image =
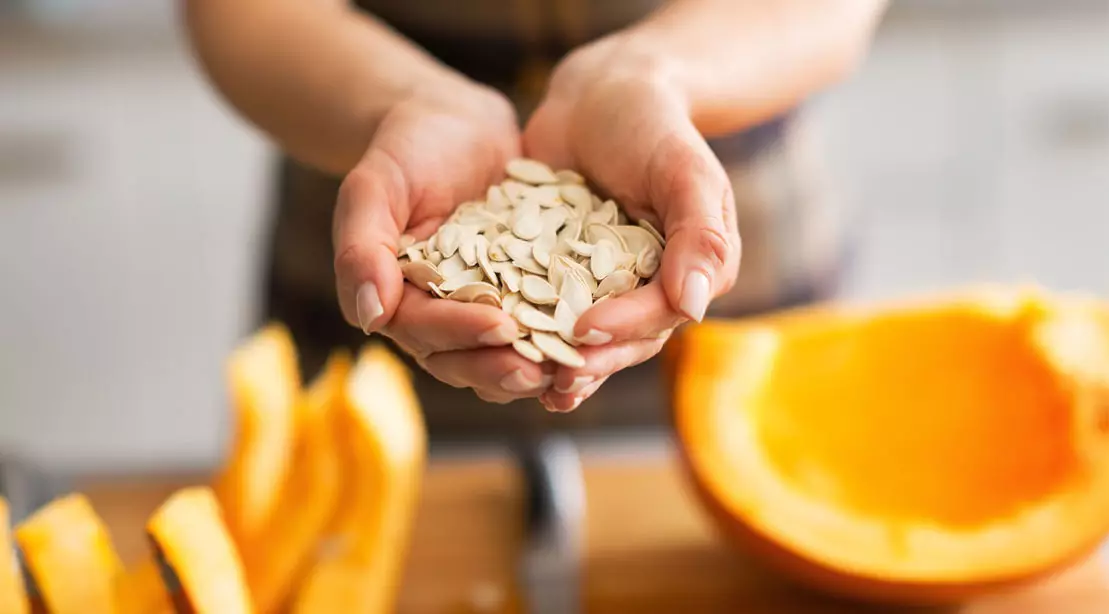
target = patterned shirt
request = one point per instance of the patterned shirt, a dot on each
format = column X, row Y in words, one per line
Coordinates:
column 788, row 218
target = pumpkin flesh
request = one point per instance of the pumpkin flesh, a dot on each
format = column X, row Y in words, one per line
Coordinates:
column 13, row 595
column 386, row 445
column 189, row 534
column 910, row 453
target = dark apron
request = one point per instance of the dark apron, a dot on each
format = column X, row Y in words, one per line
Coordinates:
column 791, row 237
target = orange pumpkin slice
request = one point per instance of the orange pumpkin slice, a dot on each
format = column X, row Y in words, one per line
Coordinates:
column 310, row 494
column 13, row 595
column 70, row 556
column 190, row 536
column 265, row 385
column 917, row 452
column 387, row 442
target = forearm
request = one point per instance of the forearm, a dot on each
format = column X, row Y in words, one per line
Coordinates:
column 742, row 61
column 317, row 76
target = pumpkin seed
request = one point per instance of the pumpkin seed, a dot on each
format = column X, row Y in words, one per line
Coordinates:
column 528, row 350
column 538, row 291
column 557, row 350
column 533, row 319
column 540, row 246
column 421, row 273
column 530, row 171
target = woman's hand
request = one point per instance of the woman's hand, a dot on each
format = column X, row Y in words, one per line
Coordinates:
column 440, row 146
column 618, row 118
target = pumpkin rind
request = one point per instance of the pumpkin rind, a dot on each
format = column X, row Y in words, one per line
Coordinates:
column 723, row 372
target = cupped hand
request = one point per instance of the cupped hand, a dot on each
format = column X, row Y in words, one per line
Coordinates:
column 619, row 118
column 441, row 146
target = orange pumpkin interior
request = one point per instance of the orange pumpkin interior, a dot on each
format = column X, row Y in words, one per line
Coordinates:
column 954, row 441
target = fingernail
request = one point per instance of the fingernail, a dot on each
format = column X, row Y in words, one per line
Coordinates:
column 579, row 382
column 595, row 337
column 574, row 405
column 695, row 295
column 498, row 335
column 368, row 305
column 518, row 382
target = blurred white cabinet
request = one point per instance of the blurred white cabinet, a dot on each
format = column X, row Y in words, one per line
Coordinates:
column 131, row 207
column 975, row 146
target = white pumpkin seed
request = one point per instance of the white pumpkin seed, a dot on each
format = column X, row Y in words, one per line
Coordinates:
column 421, row 273
column 580, row 248
column 510, row 301
column 435, row 289
column 616, row 284
column 449, row 238
column 527, row 350
column 511, row 276
column 533, row 319
column 576, row 293
column 636, row 238
column 496, row 199
column 569, row 176
column 467, row 249
column 530, row 265
column 530, row 171
column 414, row 253
column 566, row 318
column 557, row 350
column 482, row 248
column 477, row 292
column 457, row 281
column 434, row 258
column 538, row 290
column 452, row 266
column 595, row 233
column 603, row 261
column 651, row 229
column 646, row 264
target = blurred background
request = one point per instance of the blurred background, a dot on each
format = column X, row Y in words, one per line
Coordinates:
column 972, row 146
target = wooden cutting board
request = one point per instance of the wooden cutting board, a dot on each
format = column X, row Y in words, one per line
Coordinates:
column 648, row 549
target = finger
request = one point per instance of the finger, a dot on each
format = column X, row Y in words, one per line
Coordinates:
column 600, row 362
column 369, row 216
column 643, row 313
column 694, row 197
column 494, row 372
column 562, row 402
column 423, row 325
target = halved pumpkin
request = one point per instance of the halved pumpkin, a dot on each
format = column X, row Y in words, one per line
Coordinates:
column 265, row 387
column 13, row 595
column 70, row 556
column 918, row 452
column 309, row 496
column 386, row 440
column 189, row 535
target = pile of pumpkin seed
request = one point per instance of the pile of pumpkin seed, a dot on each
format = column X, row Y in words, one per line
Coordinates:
column 542, row 247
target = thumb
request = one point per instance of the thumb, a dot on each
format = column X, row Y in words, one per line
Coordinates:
column 366, row 236
column 694, row 199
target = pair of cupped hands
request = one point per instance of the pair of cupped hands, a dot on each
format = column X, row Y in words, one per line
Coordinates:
column 624, row 124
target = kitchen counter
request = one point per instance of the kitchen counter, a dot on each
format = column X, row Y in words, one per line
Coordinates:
column 647, row 547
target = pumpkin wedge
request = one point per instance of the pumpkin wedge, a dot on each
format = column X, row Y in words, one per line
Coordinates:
column 923, row 451
column 69, row 554
column 387, row 442
column 309, row 496
column 265, row 386
column 190, row 537
column 13, row 595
